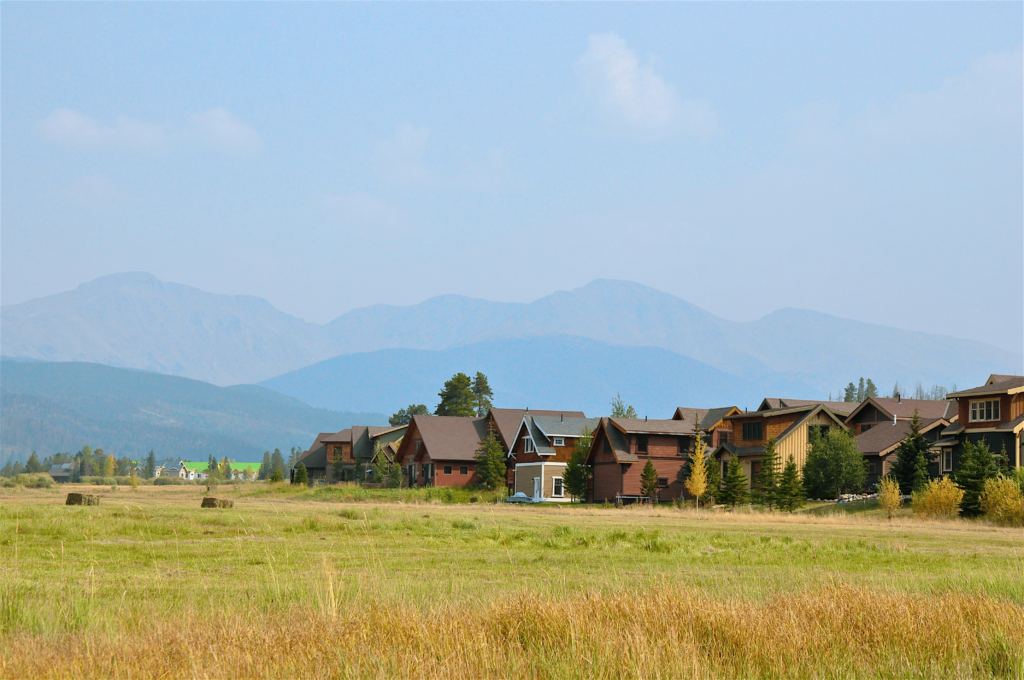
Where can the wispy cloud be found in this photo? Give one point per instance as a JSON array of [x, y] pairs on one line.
[[216, 130], [636, 95], [401, 161]]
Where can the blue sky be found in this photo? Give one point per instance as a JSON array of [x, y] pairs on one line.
[[865, 160]]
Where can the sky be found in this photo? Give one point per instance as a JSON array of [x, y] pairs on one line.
[[860, 159]]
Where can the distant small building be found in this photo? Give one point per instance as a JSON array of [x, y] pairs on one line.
[[62, 473], [335, 456]]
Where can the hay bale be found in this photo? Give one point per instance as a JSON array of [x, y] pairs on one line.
[[82, 499], [217, 503]]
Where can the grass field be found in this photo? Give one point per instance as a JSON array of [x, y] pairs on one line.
[[337, 582]]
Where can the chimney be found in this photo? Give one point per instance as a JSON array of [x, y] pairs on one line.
[[894, 419], [563, 417], [899, 398], [645, 419]]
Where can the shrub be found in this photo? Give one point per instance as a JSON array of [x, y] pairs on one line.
[[889, 496], [37, 480], [169, 481], [939, 498], [1002, 501]]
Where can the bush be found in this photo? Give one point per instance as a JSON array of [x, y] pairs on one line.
[[1002, 501], [889, 497], [170, 481], [36, 480], [939, 498]]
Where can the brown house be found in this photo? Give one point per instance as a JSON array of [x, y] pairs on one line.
[[788, 421], [335, 456], [441, 450], [878, 445], [540, 451], [505, 422], [993, 412], [622, 447], [713, 424], [877, 410]]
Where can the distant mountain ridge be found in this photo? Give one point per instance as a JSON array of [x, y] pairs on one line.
[[135, 320], [49, 407]]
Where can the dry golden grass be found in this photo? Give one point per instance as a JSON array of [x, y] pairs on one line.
[[147, 585]]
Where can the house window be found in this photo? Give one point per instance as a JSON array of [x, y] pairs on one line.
[[755, 468], [662, 482], [872, 468], [984, 410], [418, 446], [447, 469], [865, 428], [682, 445], [947, 460], [463, 469], [557, 491], [559, 441], [822, 431], [528, 445], [723, 436], [641, 443], [753, 431]]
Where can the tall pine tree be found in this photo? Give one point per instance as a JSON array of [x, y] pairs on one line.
[[912, 458], [491, 467], [457, 398], [850, 393], [977, 465], [265, 471], [791, 488], [151, 465], [649, 481], [870, 390], [482, 394], [768, 479], [734, 485], [861, 390], [577, 472]]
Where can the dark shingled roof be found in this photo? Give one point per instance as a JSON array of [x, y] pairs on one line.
[[316, 455], [927, 409], [640, 426], [620, 446], [708, 416], [508, 420], [996, 384], [1012, 425], [451, 437]]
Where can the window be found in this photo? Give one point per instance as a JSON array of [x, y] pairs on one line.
[[641, 443], [723, 436], [821, 429], [662, 482], [528, 445], [463, 469], [753, 430], [683, 445], [559, 441], [447, 469], [947, 460], [755, 468], [872, 468], [984, 410], [557, 491], [865, 428]]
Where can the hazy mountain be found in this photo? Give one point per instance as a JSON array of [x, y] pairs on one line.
[[555, 372], [137, 321], [51, 407]]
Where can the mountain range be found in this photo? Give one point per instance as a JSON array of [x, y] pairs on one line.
[[49, 407], [137, 321]]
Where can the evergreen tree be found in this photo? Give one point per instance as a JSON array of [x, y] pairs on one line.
[[151, 465], [768, 479], [649, 481], [275, 476], [404, 415], [277, 464], [977, 465], [870, 390], [912, 458], [225, 468], [791, 489], [577, 472], [301, 476], [895, 390], [734, 485], [33, 464], [482, 393], [710, 496], [620, 409], [490, 462], [386, 472], [85, 461], [850, 394], [457, 398], [697, 481], [265, 467], [861, 390], [833, 463], [212, 466]]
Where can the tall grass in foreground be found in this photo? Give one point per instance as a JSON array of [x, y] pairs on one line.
[[833, 631]]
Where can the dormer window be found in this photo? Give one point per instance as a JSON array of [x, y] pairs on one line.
[[559, 441], [528, 445], [984, 410]]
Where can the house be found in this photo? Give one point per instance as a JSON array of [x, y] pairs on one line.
[[505, 423], [713, 426], [540, 450], [621, 448], [441, 450], [315, 457], [788, 421], [879, 442], [353, 448], [62, 473], [877, 410], [993, 412]]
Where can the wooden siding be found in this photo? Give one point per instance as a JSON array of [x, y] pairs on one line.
[[526, 473], [773, 427], [796, 443], [562, 453], [1007, 408]]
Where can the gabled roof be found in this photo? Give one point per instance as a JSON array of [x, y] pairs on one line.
[[451, 437], [996, 384], [543, 428], [316, 450], [645, 426], [881, 439], [342, 437], [615, 437], [809, 412], [709, 417], [508, 421], [927, 409], [739, 451], [778, 404]]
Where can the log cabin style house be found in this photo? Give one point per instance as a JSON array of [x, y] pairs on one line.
[[540, 451], [788, 421], [993, 412]]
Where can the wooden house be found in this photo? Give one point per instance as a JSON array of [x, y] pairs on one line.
[[993, 412], [540, 451], [621, 448], [878, 410], [335, 456], [505, 423], [713, 425], [441, 450], [788, 421], [878, 445]]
